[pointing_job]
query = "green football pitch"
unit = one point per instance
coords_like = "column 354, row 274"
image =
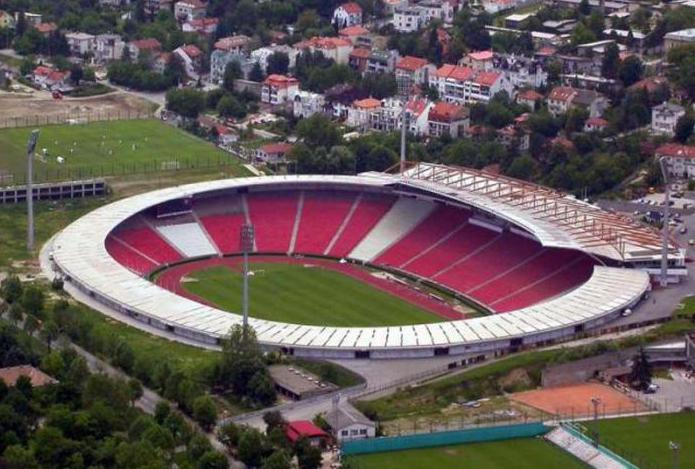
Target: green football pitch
column 517, row 454
column 313, row 295
column 105, row 148
column 644, row 440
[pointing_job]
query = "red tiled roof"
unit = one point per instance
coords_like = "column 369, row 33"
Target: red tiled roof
column 360, row 53
column 446, row 112
column 563, row 142
column 146, row 44
column 529, row 95
column 203, row 22
column 416, row 106
column 192, row 51
column 43, row 71
column 411, row 63
column 650, row 84
column 46, row 28
column 562, row 93
column 677, row 150
column 276, row 148
column 487, row 78
column 232, row 42
column 11, row 374
column 454, row 72
column 280, row 80
column 367, row 103
column 56, row 76
column 303, row 428
column 353, row 31
column 547, row 50
column 481, row 55
column 352, row 8
column 596, row 122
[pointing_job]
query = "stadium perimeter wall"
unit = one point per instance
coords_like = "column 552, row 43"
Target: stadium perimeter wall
column 429, row 440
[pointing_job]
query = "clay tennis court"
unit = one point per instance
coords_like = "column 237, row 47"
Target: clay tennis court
column 575, row 400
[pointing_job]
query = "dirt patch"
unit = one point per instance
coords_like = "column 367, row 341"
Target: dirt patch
column 41, row 108
column 516, row 379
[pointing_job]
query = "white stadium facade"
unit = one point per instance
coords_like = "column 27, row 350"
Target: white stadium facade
column 615, row 252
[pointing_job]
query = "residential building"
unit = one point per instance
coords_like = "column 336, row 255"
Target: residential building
column 390, row 6
column 227, row 49
column 560, row 26
column 273, row 153
column 335, row 48
column 382, row 61
column 262, row 54
column 665, row 116
column 32, row 19
column 463, row 85
column 447, row 119
column 306, row 429
column 607, row 6
column 514, row 136
column 562, row 98
column 307, row 103
column 417, row 110
column 114, row 3
column 518, row 20
column 347, row 423
column 413, row 71
column 108, row 47
column 80, row 43
column 680, row 159
column 144, row 48
column 152, row 7
column 279, row 89
column 187, row 10
column 631, row 39
column 591, row 82
column 48, row 78
column 358, row 115
column 354, row 34
column 679, row 38
column 387, row 117
column 46, row 28
column 347, row 14
column 38, row 378
column 595, row 124
column 521, row 71
column 161, row 60
column 408, row 19
column 530, row 98
column 442, row 10
column 480, row 60
column 6, row 20
column 359, row 58
column 201, row 26
column 497, row 6
column 192, row 59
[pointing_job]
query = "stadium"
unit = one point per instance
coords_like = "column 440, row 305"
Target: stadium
column 530, row 265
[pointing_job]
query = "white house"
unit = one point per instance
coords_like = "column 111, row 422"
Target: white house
column 307, row 103
column 413, row 70
column 347, row 14
column 680, row 159
column 665, row 116
column 191, row 57
column 447, row 119
column 108, row 47
column 347, row 423
column 336, row 48
column 408, row 19
column 563, row 98
column 464, row 85
column 187, row 10
column 80, row 43
column 358, row 115
column 279, row 89
column 262, row 54
column 226, row 50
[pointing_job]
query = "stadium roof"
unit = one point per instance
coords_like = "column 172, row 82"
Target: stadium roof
column 80, row 252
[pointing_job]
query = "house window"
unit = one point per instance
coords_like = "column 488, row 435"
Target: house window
column 353, row 432
column 363, row 431
column 344, row 433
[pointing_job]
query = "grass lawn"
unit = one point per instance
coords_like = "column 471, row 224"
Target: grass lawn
column 107, row 148
column 518, row 454
column 297, row 294
column 645, row 440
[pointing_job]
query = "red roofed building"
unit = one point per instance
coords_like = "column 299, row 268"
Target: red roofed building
column 278, row 89
column 354, row 34
column 192, row 59
column 202, row 26
column 305, row 429
column 347, row 14
column 48, row 78
column 273, row 153
column 447, row 119
column 359, row 58
column 680, row 159
column 336, row 48
column 38, row 378
column 413, row 70
column 595, row 124
column 464, row 85
column 143, row 47
column 187, row 10
column 46, row 28
column 529, row 98
column 359, row 114
column 480, row 60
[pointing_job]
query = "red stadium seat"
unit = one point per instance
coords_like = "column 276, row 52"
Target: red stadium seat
column 368, row 213
column 129, row 258
column 149, row 243
column 323, row 213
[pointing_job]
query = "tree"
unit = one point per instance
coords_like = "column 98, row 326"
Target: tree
column 135, row 390
column 213, row 460
column 16, row 313
column 684, row 128
column 256, row 73
column 278, row 460
column 31, row 324
column 159, row 437
column 49, row 332
column 641, row 374
column 274, row 419
column 630, row 70
column 17, row 457
column 278, row 62
column 250, row 449
column 161, row 411
column 318, row 131
column 53, row 364
column 308, row 456
column 231, row 72
column 584, row 7
column 611, row 61
column 11, row 289
column 229, row 435
column 229, row 106
column 186, row 102
column 523, row 167
column 124, row 357
column 205, row 411
column 33, row 300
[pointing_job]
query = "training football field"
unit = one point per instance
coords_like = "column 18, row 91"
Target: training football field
column 105, row 148
column 645, row 440
column 298, row 294
column 526, row 453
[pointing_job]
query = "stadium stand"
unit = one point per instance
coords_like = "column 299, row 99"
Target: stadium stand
column 188, row 238
column 323, row 214
column 368, row 212
column 273, row 216
column 126, row 256
column 148, row 242
column 225, row 230
column 582, row 450
column 405, row 215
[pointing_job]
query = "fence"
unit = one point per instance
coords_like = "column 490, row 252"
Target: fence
column 72, row 118
column 428, row 440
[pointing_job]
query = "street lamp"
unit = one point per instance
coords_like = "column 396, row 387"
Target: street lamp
column 675, row 451
column 596, row 402
column 31, row 147
column 664, row 240
column 247, row 242
column 404, row 88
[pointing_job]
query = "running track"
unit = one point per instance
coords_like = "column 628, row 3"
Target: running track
column 171, row 279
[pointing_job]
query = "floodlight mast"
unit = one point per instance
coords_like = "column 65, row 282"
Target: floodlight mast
column 31, row 147
column 247, row 241
column 404, row 86
column 663, row 281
